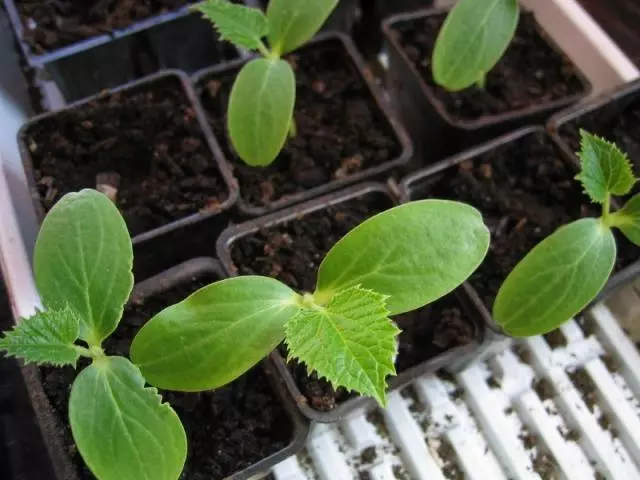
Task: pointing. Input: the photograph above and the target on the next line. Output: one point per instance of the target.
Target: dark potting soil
(340, 129)
(292, 253)
(227, 429)
(525, 192)
(618, 122)
(530, 74)
(149, 136)
(49, 25)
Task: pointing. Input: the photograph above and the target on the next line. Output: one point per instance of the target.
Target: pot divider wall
(198, 148)
(177, 39)
(154, 287)
(435, 129)
(524, 187)
(340, 205)
(322, 157)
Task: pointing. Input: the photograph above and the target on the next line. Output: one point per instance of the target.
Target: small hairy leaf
(261, 109)
(627, 219)
(48, 336)
(473, 38)
(122, 429)
(82, 259)
(605, 169)
(414, 253)
(557, 279)
(294, 22)
(215, 335)
(240, 25)
(351, 341)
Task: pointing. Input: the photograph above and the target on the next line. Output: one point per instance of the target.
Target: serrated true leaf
(473, 38)
(82, 259)
(605, 169)
(240, 25)
(351, 341)
(627, 219)
(215, 335)
(294, 22)
(122, 429)
(414, 253)
(47, 337)
(557, 279)
(260, 110)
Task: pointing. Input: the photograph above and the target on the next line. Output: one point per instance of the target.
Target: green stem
(293, 130)
(481, 82)
(84, 352)
(264, 51)
(606, 209)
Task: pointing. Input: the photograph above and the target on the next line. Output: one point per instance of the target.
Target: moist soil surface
(618, 122)
(49, 25)
(525, 192)
(340, 129)
(530, 73)
(150, 137)
(292, 252)
(227, 429)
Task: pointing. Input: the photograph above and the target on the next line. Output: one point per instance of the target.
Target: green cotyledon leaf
(215, 335)
(47, 337)
(351, 341)
(414, 254)
(240, 25)
(605, 169)
(472, 40)
(261, 110)
(82, 260)
(122, 429)
(557, 279)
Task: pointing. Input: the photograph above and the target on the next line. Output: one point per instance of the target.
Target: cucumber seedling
(565, 272)
(260, 112)
(473, 38)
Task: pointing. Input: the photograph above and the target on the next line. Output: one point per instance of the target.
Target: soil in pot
(530, 73)
(149, 136)
(525, 191)
(50, 25)
(227, 429)
(340, 129)
(617, 122)
(292, 252)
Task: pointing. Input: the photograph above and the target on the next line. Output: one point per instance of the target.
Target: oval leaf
(215, 335)
(414, 253)
(473, 38)
(122, 429)
(557, 279)
(82, 259)
(261, 109)
(627, 219)
(294, 22)
(351, 342)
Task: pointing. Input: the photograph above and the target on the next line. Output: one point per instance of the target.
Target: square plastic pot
(434, 131)
(178, 39)
(382, 107)
(216, 156)
(154, 286)
(453, 358)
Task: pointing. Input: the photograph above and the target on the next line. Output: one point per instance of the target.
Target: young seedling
(260, 114)
(394, 262)
(82, 265)
(472, 40)
(561, 275)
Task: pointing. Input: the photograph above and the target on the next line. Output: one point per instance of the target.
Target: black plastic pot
(434, 131)
(415, 186)
(225, 174)
(178, 39)
(453, 358)
(383, 112)
(154, 286)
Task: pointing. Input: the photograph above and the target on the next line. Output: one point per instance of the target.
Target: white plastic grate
(563, 406)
